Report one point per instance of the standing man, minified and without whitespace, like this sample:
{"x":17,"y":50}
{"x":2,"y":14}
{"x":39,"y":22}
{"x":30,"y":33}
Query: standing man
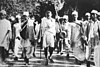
{"x":97,"y":48}
{"x":48,"y":23}
{"x":94,"y":37}
{"x":86,"y":26}
{"x":67,"y":29}
{"x":5,"y":30}
{"x":25,"y":38}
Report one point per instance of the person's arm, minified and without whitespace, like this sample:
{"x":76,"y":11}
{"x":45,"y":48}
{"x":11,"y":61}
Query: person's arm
{"x":99,"y":29}
{"x":9,"y":32}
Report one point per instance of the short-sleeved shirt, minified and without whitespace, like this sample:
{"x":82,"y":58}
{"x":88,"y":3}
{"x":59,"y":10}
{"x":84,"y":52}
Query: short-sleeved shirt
{"x":5,"y":25}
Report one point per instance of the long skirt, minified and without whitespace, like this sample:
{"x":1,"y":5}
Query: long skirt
{"x":78,"y":52}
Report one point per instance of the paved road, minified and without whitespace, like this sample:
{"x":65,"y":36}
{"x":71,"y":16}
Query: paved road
{"x":59,"y":61}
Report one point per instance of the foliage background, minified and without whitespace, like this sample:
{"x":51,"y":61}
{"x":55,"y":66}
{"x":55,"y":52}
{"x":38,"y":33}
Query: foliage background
{"x":82,"y":6}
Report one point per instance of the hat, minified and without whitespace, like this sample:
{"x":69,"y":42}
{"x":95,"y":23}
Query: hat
{"x":3,"y":12}
{"x":12,"y":18}
{"x":87,"y":14}
{"x":26,"y":13}
{"x":65,"y":16}
{"x":94,"y":11}
{"x":99,"y":13}
{"x":75,"y":13}
{"x":18,"y":16}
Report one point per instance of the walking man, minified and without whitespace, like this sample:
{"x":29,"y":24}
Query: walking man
{"x":48,"y":23}
{"x":5,"y":30}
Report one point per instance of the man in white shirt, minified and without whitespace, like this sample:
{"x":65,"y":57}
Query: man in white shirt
{"x":67,"y":29}
{"x":5,"y":30}
{"x":94,"y":37}
{"x":48,"y":25}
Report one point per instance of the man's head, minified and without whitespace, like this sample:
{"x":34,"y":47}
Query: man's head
{"x":65,"y":17}
{"x":48,"y":14}
{"x":3,"y":14}
{"x":94,"y":14}
{"x":87,"y":16}
{"x":75,"y":14}
{"x":26,"y":14}
{"x":18,"y":16}
{"x":12,"y":18}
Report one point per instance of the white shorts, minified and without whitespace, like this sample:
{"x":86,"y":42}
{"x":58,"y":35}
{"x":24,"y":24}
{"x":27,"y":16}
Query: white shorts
{"x":48,"y":39}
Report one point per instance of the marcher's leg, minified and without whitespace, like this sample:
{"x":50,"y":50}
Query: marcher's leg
{"x":97,"y":53}
{"x":25,"y":55}
{"x":46,"y":55}
{"x":35,"y":45}
{"x":51,"y":52}
{"x":2,"y":56}
{"x":67,"y":45}
{"x":16,"y":52}
{"x":61,"y":47}
{"x":87,"y":56}
{"x":16,"y":48}
{"x":89,"y":51}
{"x":46,"y":52}
{"x":34,"y":51}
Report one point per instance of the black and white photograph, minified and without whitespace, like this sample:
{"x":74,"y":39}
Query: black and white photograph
{"x":49,"y":33}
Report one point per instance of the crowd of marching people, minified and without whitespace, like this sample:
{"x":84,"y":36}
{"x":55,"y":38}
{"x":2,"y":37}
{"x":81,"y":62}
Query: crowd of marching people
{"x":24,"y":32}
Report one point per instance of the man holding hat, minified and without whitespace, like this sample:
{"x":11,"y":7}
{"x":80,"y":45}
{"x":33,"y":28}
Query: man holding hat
{"x":67,"y":29}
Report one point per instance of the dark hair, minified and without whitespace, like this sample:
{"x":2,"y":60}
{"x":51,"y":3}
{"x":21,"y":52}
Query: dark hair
{"x":32,"y":16}
{"x":47,"y":12}
{"x":1,"y":15}
{"x":16,"y":20}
